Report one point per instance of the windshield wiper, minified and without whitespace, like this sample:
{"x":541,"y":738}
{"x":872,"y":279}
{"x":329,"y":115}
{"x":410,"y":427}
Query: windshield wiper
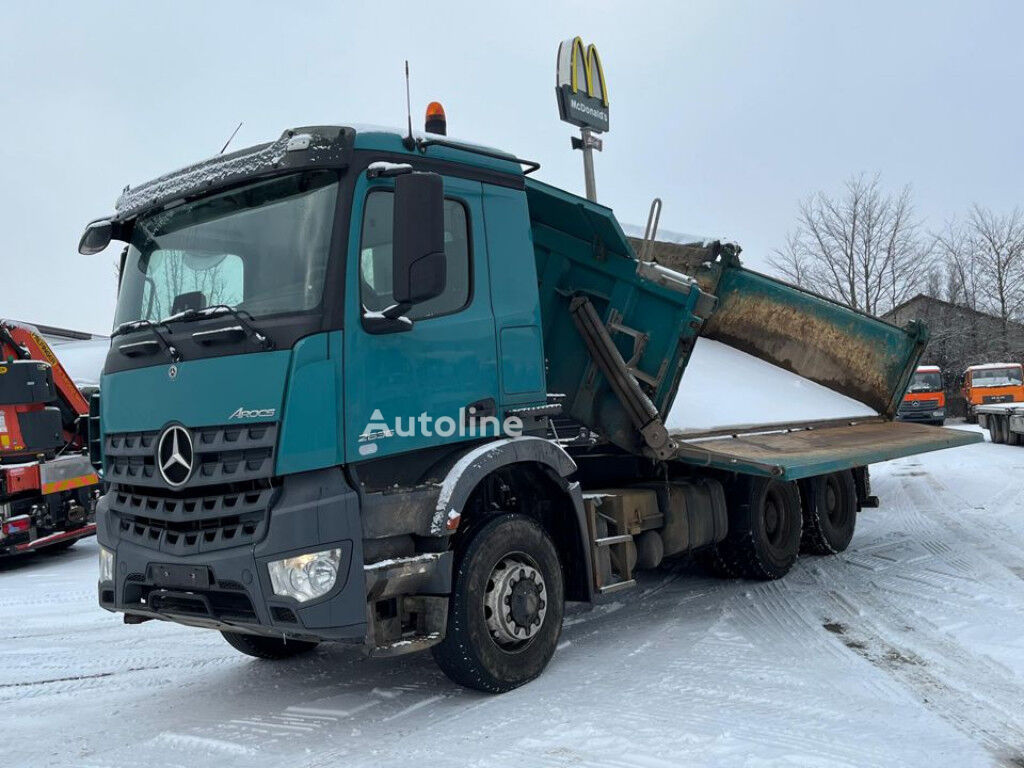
{"x":135,"y":325}
{"x":244,"y":319}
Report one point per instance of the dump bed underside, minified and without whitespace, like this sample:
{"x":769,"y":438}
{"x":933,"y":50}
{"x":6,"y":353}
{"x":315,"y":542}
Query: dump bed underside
{"x":799,"y":453}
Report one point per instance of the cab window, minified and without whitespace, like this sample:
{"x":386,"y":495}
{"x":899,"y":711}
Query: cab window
{"x":375,"y":283}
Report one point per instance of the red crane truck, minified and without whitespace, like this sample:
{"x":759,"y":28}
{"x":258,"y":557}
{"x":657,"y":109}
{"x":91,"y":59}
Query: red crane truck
{"x":48,"y":488}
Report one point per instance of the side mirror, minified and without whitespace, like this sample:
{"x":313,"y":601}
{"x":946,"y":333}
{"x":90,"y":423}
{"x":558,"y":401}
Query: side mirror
{"x":96,"y":237}
{"x":418,"y":261}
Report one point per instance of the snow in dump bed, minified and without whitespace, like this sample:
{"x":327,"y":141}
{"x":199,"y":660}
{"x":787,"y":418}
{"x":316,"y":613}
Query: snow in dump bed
{"x":665,"y":236}
{"x":724,"y":387}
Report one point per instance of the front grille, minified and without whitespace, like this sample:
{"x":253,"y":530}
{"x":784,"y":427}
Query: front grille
{"x":222,"y":454}
{"x":187,"y":526}
{"x":918,"y":405}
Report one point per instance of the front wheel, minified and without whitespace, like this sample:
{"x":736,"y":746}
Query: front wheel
{"x":269,"y":648}
{"x":505,"y":611}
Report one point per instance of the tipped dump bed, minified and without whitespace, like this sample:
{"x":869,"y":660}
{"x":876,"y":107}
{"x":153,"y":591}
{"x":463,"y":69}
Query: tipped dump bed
{"x":619,"y":335}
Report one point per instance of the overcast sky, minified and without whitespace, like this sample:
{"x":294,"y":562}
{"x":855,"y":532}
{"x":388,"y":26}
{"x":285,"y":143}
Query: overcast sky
{"x":729,"y":111}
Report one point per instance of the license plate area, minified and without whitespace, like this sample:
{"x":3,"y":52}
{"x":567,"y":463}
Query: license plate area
{"x":178,"y":576}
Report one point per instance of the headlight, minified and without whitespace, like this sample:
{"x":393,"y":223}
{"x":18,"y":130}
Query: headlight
{"x":106,"y":565}
{"x":305,"y":577}
{"x":939,"y":413}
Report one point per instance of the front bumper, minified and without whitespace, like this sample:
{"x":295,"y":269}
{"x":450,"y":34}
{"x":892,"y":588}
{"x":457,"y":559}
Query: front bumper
{"x":229,"y":588}
{"x":932,"y":414}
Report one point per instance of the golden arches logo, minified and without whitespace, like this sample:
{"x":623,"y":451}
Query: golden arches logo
{"x":580,"y":85}
{"x":585,"y":65}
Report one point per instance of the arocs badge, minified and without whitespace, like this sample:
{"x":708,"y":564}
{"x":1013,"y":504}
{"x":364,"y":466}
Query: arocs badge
{"x":580,"y":87}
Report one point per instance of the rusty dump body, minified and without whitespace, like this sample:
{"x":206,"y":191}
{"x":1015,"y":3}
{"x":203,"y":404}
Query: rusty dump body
{"x":715,"y":297}
{"x":846,"y":351}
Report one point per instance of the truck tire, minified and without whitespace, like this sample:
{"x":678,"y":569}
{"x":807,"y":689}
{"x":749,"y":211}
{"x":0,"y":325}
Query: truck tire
{"x":830,"y":513}
{"x":995,"y":429}
{"x":269,"y":648}
{"x":765,"y":521}
{"x":508,"y":563}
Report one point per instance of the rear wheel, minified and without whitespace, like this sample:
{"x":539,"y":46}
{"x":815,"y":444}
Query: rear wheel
{"x":270,"y":648}
{"x":829,"y":513}
{"x":995,"y":429}
{"x":1013,"y":438}
{"x":505,"y":612}
{"x":764,"y":528}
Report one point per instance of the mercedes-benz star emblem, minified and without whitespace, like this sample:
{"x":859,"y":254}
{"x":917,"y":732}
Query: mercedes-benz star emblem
{"x":174,"y":455}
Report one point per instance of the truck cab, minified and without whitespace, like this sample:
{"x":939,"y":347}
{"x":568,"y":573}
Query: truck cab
{"x":992,"y":383}
{"x":925,"y":400}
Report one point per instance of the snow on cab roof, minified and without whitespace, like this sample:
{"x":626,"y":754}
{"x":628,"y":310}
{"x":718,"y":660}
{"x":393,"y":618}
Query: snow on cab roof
{"x":928,"y":369}
{"x":424,"y":136}
{"x":991,"y":366}
{"x":322,"y":141}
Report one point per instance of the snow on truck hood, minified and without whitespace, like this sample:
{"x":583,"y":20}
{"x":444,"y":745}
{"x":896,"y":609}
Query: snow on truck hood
{"x":723,"y":387}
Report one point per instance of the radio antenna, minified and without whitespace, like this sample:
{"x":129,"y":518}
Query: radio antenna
{"x":232,"y":136}
{"x":409,"y":141}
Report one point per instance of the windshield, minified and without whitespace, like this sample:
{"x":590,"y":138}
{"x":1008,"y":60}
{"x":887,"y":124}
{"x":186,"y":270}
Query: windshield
{"x":261,"y":248}
{"x":926,"y":382}
{"x":997,"y":377}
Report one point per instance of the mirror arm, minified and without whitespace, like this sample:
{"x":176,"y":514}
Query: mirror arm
{"x":397,"y":311}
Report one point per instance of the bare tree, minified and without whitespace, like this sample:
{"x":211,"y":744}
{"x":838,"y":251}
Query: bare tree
{"x":863,"y":248}
{"x":998,"y":244}
{"x":963,"y":274}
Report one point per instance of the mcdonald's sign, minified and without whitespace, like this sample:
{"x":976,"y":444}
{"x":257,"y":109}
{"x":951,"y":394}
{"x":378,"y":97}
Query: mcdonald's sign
{"x":580,"y":86}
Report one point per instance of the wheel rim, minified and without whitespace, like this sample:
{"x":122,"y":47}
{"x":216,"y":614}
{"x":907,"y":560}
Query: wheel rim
{"x":515,"y":602}
{"x":778,"y":521}
{"x":835,"y":502}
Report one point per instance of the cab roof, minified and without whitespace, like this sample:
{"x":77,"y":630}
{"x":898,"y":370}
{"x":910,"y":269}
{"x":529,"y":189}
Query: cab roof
{"x":992,"y":366}
{"x":308,"y":148}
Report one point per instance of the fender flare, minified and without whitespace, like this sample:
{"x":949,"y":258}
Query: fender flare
{"x":478,"y":462}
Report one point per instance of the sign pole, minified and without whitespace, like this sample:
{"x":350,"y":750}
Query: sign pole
{"x":587,"y":146}
{"x":582,"y":101}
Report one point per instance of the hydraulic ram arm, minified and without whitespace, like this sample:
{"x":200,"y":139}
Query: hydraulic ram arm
{"x":609,"y":361}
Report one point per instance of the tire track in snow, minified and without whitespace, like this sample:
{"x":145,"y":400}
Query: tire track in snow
{"x":972,"y":692}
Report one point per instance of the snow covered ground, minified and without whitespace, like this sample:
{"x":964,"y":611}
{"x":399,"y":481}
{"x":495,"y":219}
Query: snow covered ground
{"x":907,"y":650}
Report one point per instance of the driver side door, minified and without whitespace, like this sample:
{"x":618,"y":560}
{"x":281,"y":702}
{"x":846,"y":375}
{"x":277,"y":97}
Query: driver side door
{"x":411,"y":389}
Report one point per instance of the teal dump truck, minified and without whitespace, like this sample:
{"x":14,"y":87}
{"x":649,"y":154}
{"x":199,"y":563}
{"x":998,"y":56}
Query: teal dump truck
{"x":391,"y":390}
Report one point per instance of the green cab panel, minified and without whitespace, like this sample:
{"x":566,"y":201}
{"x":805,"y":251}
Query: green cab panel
{"x":196,"y":393}
{"x":312,"y":420}
{"x":298,"y":388}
